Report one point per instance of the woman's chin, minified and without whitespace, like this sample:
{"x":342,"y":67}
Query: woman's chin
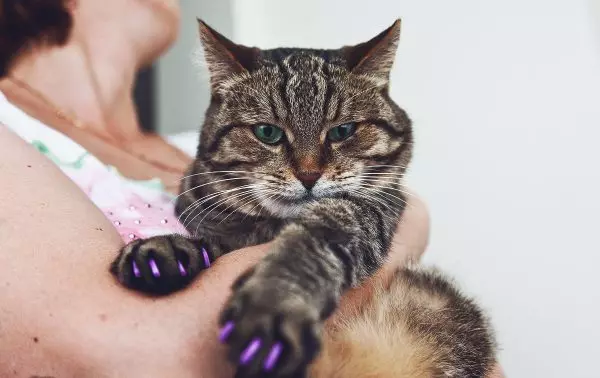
{"x":167,"y":18}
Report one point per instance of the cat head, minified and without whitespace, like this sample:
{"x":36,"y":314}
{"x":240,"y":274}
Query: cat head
{"x":302,"y":124}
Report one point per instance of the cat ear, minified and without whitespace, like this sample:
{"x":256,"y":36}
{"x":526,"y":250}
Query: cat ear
{"x":224,"y":58}
{"x":376,"y":56}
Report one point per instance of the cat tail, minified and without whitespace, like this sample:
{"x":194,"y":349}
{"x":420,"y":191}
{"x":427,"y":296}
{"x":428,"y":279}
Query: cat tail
{"x":419,"y":326}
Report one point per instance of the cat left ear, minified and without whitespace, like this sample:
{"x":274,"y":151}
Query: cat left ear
{"x":376,"y":56}
{"x":224,"y":57}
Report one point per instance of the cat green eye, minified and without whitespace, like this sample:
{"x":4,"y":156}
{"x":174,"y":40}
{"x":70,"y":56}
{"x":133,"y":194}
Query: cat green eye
{"x":268,"y":134}
{"x":341,"y":132}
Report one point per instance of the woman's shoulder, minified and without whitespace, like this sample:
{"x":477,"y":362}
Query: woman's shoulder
{"x":124,"y":201}
{"x":35,"y":132}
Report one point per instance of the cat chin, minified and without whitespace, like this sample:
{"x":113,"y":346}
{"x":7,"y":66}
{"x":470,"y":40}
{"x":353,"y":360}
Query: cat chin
{"x":282,"y":208}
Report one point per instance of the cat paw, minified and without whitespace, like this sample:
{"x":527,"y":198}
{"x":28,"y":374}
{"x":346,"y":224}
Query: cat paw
{"x":267,"y":335}
{"x":162,"y":264}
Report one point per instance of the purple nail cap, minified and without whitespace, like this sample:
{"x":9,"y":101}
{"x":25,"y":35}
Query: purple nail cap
{"x":206,"y":259}
{"x":154,"y":268}
{"x":226,"y":331}
{"x":182,"y":270}
{"x":273,"y":356}
{"x":250,"y":351}
{"x":136,"y":270}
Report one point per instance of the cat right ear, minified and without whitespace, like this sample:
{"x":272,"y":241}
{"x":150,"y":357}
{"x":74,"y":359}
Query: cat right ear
{"x":224,"y":58}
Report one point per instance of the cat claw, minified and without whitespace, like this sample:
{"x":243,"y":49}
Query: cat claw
{"x":206,"y":258}
{"x":253,"y":348}
{"x":156,"y":271}
{"x":136,"y":270}
{"x":154,"y":268}
{"x":273,"y":356}
{"x":182,"y":270}
{"x":226,"y":331}
{"x":250,"y":351}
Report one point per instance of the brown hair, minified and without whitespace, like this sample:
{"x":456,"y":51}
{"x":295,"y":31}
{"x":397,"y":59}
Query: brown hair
{"x":25,"y":24}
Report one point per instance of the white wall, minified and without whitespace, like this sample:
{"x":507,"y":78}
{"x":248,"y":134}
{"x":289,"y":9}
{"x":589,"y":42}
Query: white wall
{"x":505,"y":97}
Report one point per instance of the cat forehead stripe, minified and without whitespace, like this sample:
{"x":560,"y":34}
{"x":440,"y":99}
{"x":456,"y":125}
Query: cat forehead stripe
{"x":305,"y":86}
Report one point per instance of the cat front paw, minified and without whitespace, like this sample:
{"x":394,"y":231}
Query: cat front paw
{"x":162,"y":264}
{"x":269,"y":333}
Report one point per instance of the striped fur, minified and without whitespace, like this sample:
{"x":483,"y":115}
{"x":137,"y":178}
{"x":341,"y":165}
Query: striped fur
{"x":241,"y":191}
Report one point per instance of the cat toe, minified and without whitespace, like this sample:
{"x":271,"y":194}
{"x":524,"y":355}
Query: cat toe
{"x":267,"y":338}
{"x":160,"y":265}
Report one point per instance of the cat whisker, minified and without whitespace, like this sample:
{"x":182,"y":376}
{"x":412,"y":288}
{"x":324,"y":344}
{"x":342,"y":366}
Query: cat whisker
{"x":383,"y":187}
{"x":273,"y":194}
{"x":381,"y":174}
{"x":221,"y":172}
{"x":254,"y":198}
{"x":386,"y":166}
{"x":215,"y":205}
{"x":387,"y":180}
{"x":252,"y":194}
{"x":205,"y":198}
{"x":207,"y":183}
{"x":222,"y":180}
{"x":393,"y":202}
{"x":245,"y":188}
{"x":382,"y":201}
{"x":379,"y":189}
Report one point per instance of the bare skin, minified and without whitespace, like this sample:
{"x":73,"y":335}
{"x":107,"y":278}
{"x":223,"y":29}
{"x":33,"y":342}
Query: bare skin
{"x":62,"y":313}
{"x":77,"y":321}
{"x":91,"y":80}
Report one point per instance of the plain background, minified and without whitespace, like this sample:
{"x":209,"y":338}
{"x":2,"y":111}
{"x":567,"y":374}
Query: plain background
{"x":505,"y":98}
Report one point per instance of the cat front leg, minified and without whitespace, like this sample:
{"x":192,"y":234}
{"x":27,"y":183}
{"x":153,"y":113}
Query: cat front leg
{"x":272,"y":322}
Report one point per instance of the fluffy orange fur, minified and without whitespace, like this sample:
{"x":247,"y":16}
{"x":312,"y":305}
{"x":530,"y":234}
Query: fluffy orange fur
{"x":380,"y":340}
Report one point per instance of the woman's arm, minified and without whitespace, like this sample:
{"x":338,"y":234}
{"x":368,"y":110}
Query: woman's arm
{"x":63,"y":315}
{"x":61,"y":312}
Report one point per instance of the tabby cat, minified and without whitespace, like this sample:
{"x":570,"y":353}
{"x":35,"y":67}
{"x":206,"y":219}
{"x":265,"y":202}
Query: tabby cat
{"x":305,"y":147}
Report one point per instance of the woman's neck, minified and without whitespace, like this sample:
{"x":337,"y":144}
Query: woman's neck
{"x":91,"y":78}
{"x":90,"y":84}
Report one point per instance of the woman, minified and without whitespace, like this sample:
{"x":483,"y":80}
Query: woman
{"x":62,"y":313}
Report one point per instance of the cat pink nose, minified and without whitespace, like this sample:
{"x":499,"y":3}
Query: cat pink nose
{"x":308,"y":179}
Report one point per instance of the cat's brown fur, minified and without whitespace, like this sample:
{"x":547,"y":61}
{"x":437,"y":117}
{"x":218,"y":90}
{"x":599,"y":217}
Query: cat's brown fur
{"x":326,"y":190}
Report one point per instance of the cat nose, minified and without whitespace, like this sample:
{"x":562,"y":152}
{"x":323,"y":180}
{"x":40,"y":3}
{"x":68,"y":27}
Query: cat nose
{"x":308,"y":179}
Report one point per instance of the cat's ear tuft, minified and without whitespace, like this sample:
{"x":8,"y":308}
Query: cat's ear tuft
{"x":376,"y":56}
{"x":224,"y":57}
